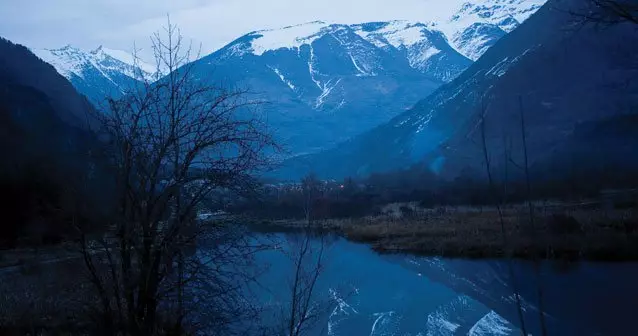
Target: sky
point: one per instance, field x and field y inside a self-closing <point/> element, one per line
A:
<point x="119" y="24"/>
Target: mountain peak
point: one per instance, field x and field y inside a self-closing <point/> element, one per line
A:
<point x="441" y="130"/>
<point x="398" y="33"/>
<point x="97" y="50"/>
<point x="289" y="37"/>
<point x="328" y="78"/>
<point x="475" y="26"/>
<point x="462" y="27"/>
<point x="310" y="23"/>
<point x="98" y="72"/>
<point x="64" y="50"/>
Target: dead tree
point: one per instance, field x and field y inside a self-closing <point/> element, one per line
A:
<point x="173" y="142"/>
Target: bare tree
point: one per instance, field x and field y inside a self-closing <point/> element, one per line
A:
<point x="304" y="309"/>
<point x="530" y="207"/>
<point x="174" y="142"/>
<point x="310" y="189"/>
<point x="499" y="208"/>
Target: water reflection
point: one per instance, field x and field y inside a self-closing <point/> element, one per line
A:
<point x="406" y="295"/>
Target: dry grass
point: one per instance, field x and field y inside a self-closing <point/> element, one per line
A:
<point x="43" y="298"/>
<point x="560" y="232"/>
<point x="476" y="233"/>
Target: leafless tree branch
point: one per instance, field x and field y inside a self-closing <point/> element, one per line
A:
<point x="174" y="142"/>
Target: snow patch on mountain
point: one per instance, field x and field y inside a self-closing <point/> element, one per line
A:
<point x="67" y="60"/>
<point x="478" y="24"/>
<point x="312" y="70"/>
<point x="283" y="79"/>
<point x="365" y="60"/>
<point x="419" y="57"/>
<point x="326" y="89"/>
<point x="396" y="34"/>
<point x="288" y="37"/>
<point x="362" y="72"/>
<point x="413" y="37"/>
<point x="507" y="14"/>
<point x="474" y="40"/>
<point x="126" y="58"/>
<point x="393" y="33"/>
<point x="501" y="67"/>
<point x="471" y="27"/>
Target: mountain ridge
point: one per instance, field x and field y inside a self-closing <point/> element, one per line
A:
<point x="540" y="62"/>
<point x="333" y="85"/>
<point x="326" y="82"/>
<point x="468" y="16"/>
<point x="98" y="73"/>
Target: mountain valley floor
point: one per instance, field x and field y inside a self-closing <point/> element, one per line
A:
<point x="560" y="231"/>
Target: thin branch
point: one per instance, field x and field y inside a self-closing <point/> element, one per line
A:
<point x="499" y="209"/>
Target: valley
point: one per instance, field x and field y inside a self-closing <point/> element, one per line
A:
<point x="430" y="167"/>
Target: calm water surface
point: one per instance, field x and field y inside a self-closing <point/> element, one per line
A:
<point x="372" y="294"/>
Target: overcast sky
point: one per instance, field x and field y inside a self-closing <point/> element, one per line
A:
<point x="213" y="23"/>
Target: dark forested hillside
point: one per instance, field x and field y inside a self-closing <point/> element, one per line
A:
<point x="45" y="145"/>
<point x="19" y="66"/>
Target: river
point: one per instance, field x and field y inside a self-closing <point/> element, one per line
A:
<point x="372" y="294"/>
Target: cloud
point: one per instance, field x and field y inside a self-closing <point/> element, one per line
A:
<point x="213" y="23"/>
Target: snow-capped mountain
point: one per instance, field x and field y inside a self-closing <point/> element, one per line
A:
<point x="425" y="50"/>
<point x="328" y="82"/>
<point x="97" y="73"/>
<point x="470" y="27"/>
<point x="476" y="25"/>
<point x="572" y="85"/>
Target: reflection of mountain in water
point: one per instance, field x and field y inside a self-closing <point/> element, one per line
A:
<point x="373" y="295"/>
<point x="588" y="299"/>
<point x="404" y="295"/>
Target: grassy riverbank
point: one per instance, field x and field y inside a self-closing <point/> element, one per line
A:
<point x="45" y="296"/>
<point x="556" y="232"/>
